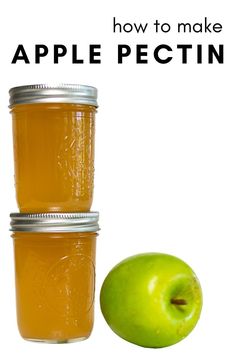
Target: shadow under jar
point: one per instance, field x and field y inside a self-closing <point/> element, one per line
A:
<point x="55" y="275"/>
<point x="53" y="135"/>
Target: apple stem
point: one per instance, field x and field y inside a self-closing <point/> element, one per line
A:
<point x="178" y="302"/>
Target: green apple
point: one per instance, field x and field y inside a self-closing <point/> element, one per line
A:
<point x="152" y="299"/>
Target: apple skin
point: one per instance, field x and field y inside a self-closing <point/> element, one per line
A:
<point x="152" y="299"/>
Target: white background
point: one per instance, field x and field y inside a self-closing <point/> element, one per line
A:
<point x="165" y="153"/>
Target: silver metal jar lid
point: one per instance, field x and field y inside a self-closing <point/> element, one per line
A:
<point x="55" y="222"/>
<point x="62" y="93"/>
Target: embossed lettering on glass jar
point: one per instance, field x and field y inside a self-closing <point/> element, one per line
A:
<point x="55" y="275"/>
<point x="53" y="134"/>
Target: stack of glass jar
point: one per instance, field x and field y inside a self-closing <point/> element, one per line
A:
<point x="54" y="233"/>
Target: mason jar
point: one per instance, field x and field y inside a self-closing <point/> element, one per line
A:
<point x="53" y="136"/>
<point x="55" y="275"/>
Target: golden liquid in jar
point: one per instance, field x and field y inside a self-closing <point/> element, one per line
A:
<point x="54" y="156"/>
<point x="55" y="280"/>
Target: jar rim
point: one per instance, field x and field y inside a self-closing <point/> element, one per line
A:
<point x="54" y="222"/>
<point x="53" y="93"/>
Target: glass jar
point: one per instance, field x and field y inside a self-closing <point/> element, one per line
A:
<point x="55" y="275"/>
<point x="53" y="135"/>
